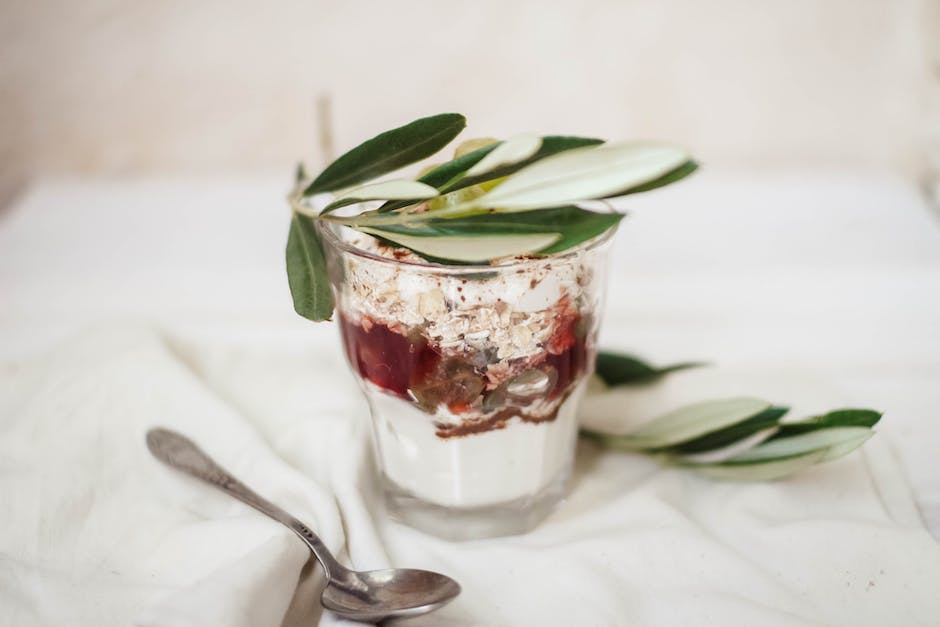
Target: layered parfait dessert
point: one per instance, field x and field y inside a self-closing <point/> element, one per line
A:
<point x="468" y="300"/>
<point x="473" y="373"/>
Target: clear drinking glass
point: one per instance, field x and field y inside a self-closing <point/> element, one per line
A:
<point x="473" y="374"/>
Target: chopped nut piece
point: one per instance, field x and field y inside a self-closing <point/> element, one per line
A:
<point x="431" y="304"/>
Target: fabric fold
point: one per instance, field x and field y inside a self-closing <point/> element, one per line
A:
<point x="95" y="531"/>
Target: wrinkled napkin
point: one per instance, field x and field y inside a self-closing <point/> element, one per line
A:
<point x="94" y="531"/>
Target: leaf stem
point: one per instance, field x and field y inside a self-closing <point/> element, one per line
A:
<point x="297" y="206"/>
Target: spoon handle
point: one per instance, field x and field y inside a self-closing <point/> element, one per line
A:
<point x="180" y="452"/>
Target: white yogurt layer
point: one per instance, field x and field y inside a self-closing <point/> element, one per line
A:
<point x="474" y="470"/>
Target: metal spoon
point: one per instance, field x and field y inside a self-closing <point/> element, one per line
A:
<point x="366" y="596"/>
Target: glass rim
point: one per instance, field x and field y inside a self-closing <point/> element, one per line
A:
<point x="330" y="234"/>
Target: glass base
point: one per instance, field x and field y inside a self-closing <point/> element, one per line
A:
<point x="470" y="523"/>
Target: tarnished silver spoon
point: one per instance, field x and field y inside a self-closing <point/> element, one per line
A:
<point x="366" y="596"/>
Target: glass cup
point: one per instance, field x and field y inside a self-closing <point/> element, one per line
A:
<point x="473" y="374"/>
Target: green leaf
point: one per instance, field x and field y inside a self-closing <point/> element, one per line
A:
<point x="722" y="438"/>
<point x="620" y="369"/>
<point x="780" y="456"/>
<point x="401" y="188"/>
<point x="844" y="448"/>
<point x="842" y="439"/>
<point x="449" y="177"/>
<point x="443" y="173"/>
<point x="669" y="178"/>
<point x="687" y="423"/>
<point x="766" y="471"/>
<point x="508" y="153"/>
<point x="568" y="226"/>
<point x="389" y="151"/>
<point x="306" y="271"/>
<point x="470" y="248"/>
<point x="583" y="174"/>
<point x="469" y="145"/>
<point x="577" y="227"/>
<point x="551" y="145"/>
<point x="446" y="171"/>
<point x="838" y="418"/>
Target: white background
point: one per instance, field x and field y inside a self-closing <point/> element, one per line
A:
<point x="117" y="88"/>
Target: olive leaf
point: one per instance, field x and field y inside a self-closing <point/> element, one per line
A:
<point x="482" y="237"/>
<point x="841" y="439"/>
<point x="452" y="176"/>
<point x="469" y="145"/>
<point x="582" y="226"/>
<point x="443" y="173"/>
<point x="769" y="470"/>
<point x="400" y="189"/>
<point x="306" y="270"/>
<point x="470" y="248"/>
<point x="551" y="145"/>
<point x="574" y="175"/>
<point x="669" y="178"/>
<point x="689" y="436"/>
<point x="509" y="152"/>
<point x="388" y="152"/>
<point x="776" y="459"/>
<point x="583" y="174"/>
<point x="686" y="423"/>
<point x="721" y="438"/>
<point x="839" y="418"/>
<point x="620" y="369"/>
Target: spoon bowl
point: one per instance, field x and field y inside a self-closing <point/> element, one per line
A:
<point x="377" y="594"/>
<point x="372" y="595"/>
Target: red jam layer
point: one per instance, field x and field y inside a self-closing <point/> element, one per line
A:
<point x="412" y="368"/>
<point x="390" y="360"/>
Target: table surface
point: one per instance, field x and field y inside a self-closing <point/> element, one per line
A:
<point x="836" y="273"/>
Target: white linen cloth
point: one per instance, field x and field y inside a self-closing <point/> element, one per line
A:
<point x="842" y="272"/>
<point x="97" y="532"/>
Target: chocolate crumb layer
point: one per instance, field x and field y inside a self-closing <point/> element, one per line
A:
<point x="498" y="420"/>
